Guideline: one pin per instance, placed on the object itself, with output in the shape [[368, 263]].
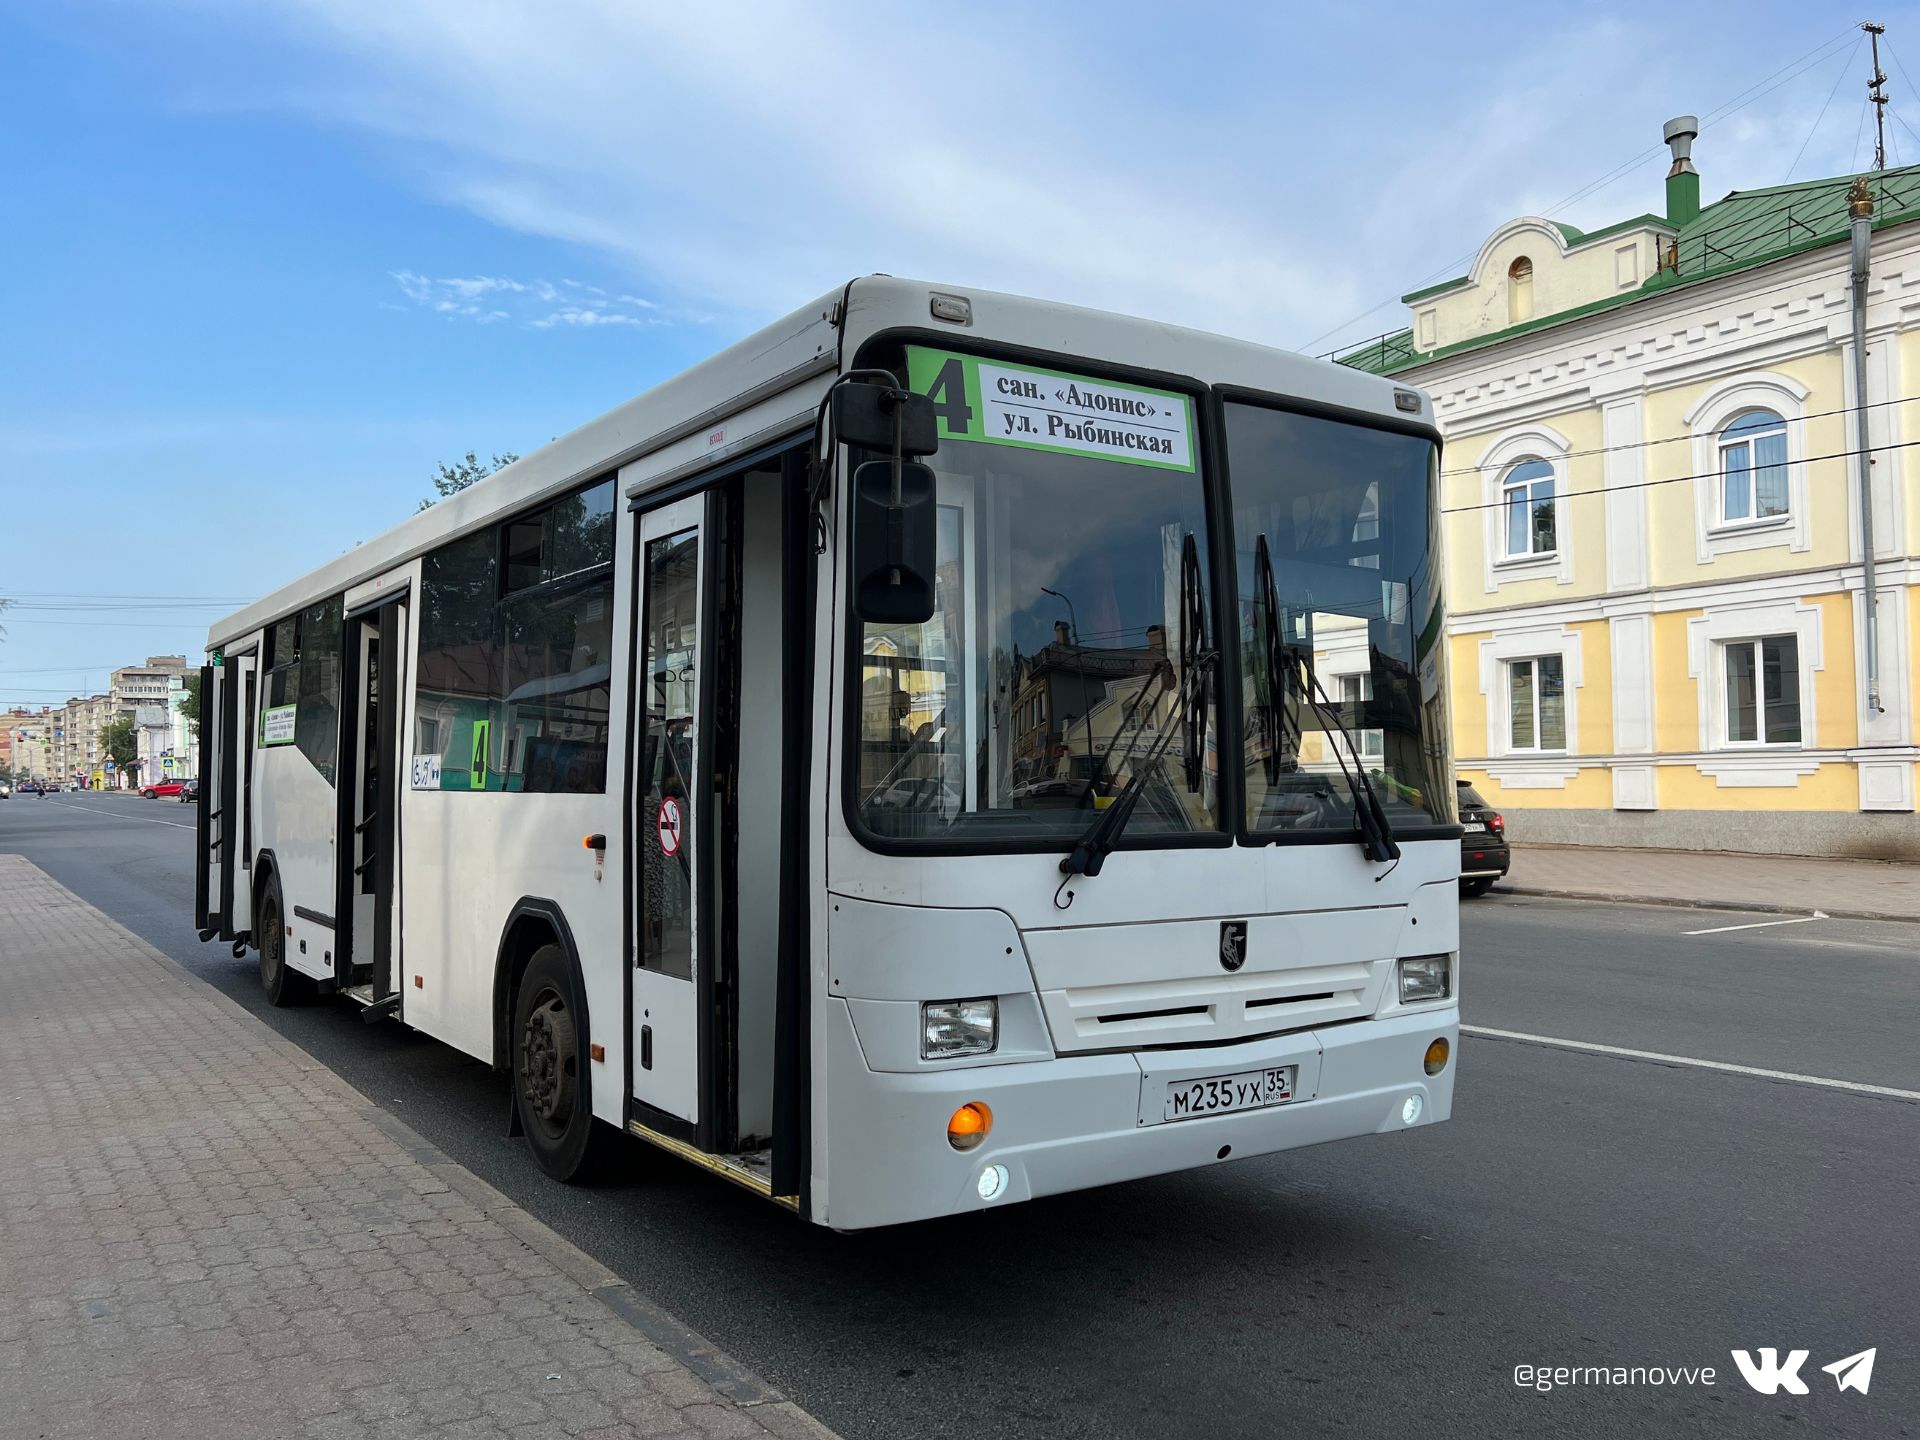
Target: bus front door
[[367, 797], [672, 857]]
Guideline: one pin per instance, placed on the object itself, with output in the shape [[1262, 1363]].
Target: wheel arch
[[266, 872], [531, 923]]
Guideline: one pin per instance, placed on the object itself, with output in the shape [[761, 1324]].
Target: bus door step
[[372, 1009]]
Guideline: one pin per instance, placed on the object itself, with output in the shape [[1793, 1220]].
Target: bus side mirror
[[893, 543], [884, 419]]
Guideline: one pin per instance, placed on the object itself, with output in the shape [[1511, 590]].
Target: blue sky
[[267, 263]]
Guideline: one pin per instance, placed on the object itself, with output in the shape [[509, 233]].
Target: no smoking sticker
[[667, 825]]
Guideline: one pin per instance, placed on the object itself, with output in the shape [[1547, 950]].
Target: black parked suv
[[1484, 853]]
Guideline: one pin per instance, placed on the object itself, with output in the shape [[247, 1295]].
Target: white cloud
[[538, 303], [1268, 173]]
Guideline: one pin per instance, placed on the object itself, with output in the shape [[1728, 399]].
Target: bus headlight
[[950, 1028], [1425, 977]]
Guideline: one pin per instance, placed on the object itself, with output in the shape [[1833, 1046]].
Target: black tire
[[283, 984], [552, 1087], [1476, 888]]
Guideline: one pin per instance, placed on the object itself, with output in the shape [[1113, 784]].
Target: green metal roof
[[1746, 228]]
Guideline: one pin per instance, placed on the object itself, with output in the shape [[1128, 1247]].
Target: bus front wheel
[[284, 985], [551, 1087]]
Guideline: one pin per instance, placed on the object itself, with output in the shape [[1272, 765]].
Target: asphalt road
[[1582, 1209]]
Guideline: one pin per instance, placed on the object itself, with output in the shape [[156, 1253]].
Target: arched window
[[1526, 495], [1753, 467], [1520, 291]]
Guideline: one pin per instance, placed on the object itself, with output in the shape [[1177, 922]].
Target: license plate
[[1220, 1094], [1474, 825]]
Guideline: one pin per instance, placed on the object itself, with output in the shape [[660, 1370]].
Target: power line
[[1682, 479], [1844, 67], [1794, 284], [88, 595], [63, 669], [1676, 439], [174, 625], [1812, 58]]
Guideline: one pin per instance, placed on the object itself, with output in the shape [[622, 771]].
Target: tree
[[454, 478], [121, 742], [190, 707]]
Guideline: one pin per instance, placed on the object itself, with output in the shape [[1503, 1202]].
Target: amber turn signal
[[969, 1125], [1437, 1054]]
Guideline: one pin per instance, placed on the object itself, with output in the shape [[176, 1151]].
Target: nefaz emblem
[[1233, 944]]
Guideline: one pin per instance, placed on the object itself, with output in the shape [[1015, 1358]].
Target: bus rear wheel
[[284, 985], [551, 1087]]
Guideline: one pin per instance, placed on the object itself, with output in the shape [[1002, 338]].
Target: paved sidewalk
[[1869, 889], [205, 1233]]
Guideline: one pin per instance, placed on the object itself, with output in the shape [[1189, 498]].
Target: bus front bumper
[[1082, 1121]]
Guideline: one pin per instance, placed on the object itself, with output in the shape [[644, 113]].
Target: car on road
[[162, 787], [32, 787], [189, 791], [1485, 855]]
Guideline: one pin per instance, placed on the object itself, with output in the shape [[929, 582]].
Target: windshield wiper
[[1090, 851], [1376, 832]]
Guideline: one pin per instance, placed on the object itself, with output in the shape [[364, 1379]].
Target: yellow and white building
[[1655, 575]]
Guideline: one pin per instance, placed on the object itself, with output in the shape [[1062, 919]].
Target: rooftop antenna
[[1876, 92]]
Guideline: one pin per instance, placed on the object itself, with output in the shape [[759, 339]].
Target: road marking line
[[96, 810], [1697, 1064], [1759, 924]]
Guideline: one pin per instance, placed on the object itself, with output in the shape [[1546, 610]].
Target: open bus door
[[368, 798], [207, 859], [222, 898], [718, 805], [673, 951]]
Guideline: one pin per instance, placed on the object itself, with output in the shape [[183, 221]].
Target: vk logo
[[1770, 1377]]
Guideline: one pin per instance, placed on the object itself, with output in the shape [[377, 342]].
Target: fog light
[[1437, 1054], [1410, 1111], [1425, 977], [993, 1180], [969, 1125]]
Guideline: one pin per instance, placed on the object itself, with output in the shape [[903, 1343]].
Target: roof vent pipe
[[1683, 181]]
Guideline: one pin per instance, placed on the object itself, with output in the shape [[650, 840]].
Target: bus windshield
[[1071, 596], [1341, 628]]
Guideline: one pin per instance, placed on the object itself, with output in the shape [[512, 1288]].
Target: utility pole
[[1877, 95], [1860, 223]]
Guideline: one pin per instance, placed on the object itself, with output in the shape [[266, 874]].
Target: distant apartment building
[[80, 753], [150, 695], [1655, 537], [29, 747]]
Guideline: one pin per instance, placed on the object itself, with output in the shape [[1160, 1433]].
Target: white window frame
[[1532, 662], [1723, 674], [1533, 442], [1706, 664], [1723, 445], [1372, 742], [1509, 487], [1709, 416], [1531, 769]]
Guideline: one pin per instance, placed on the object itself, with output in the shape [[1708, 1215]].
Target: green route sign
[[998, 402]]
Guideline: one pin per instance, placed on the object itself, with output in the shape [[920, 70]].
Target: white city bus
[[946, 749]]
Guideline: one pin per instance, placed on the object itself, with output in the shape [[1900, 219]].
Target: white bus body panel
[[294, 818], [1323, 920]]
